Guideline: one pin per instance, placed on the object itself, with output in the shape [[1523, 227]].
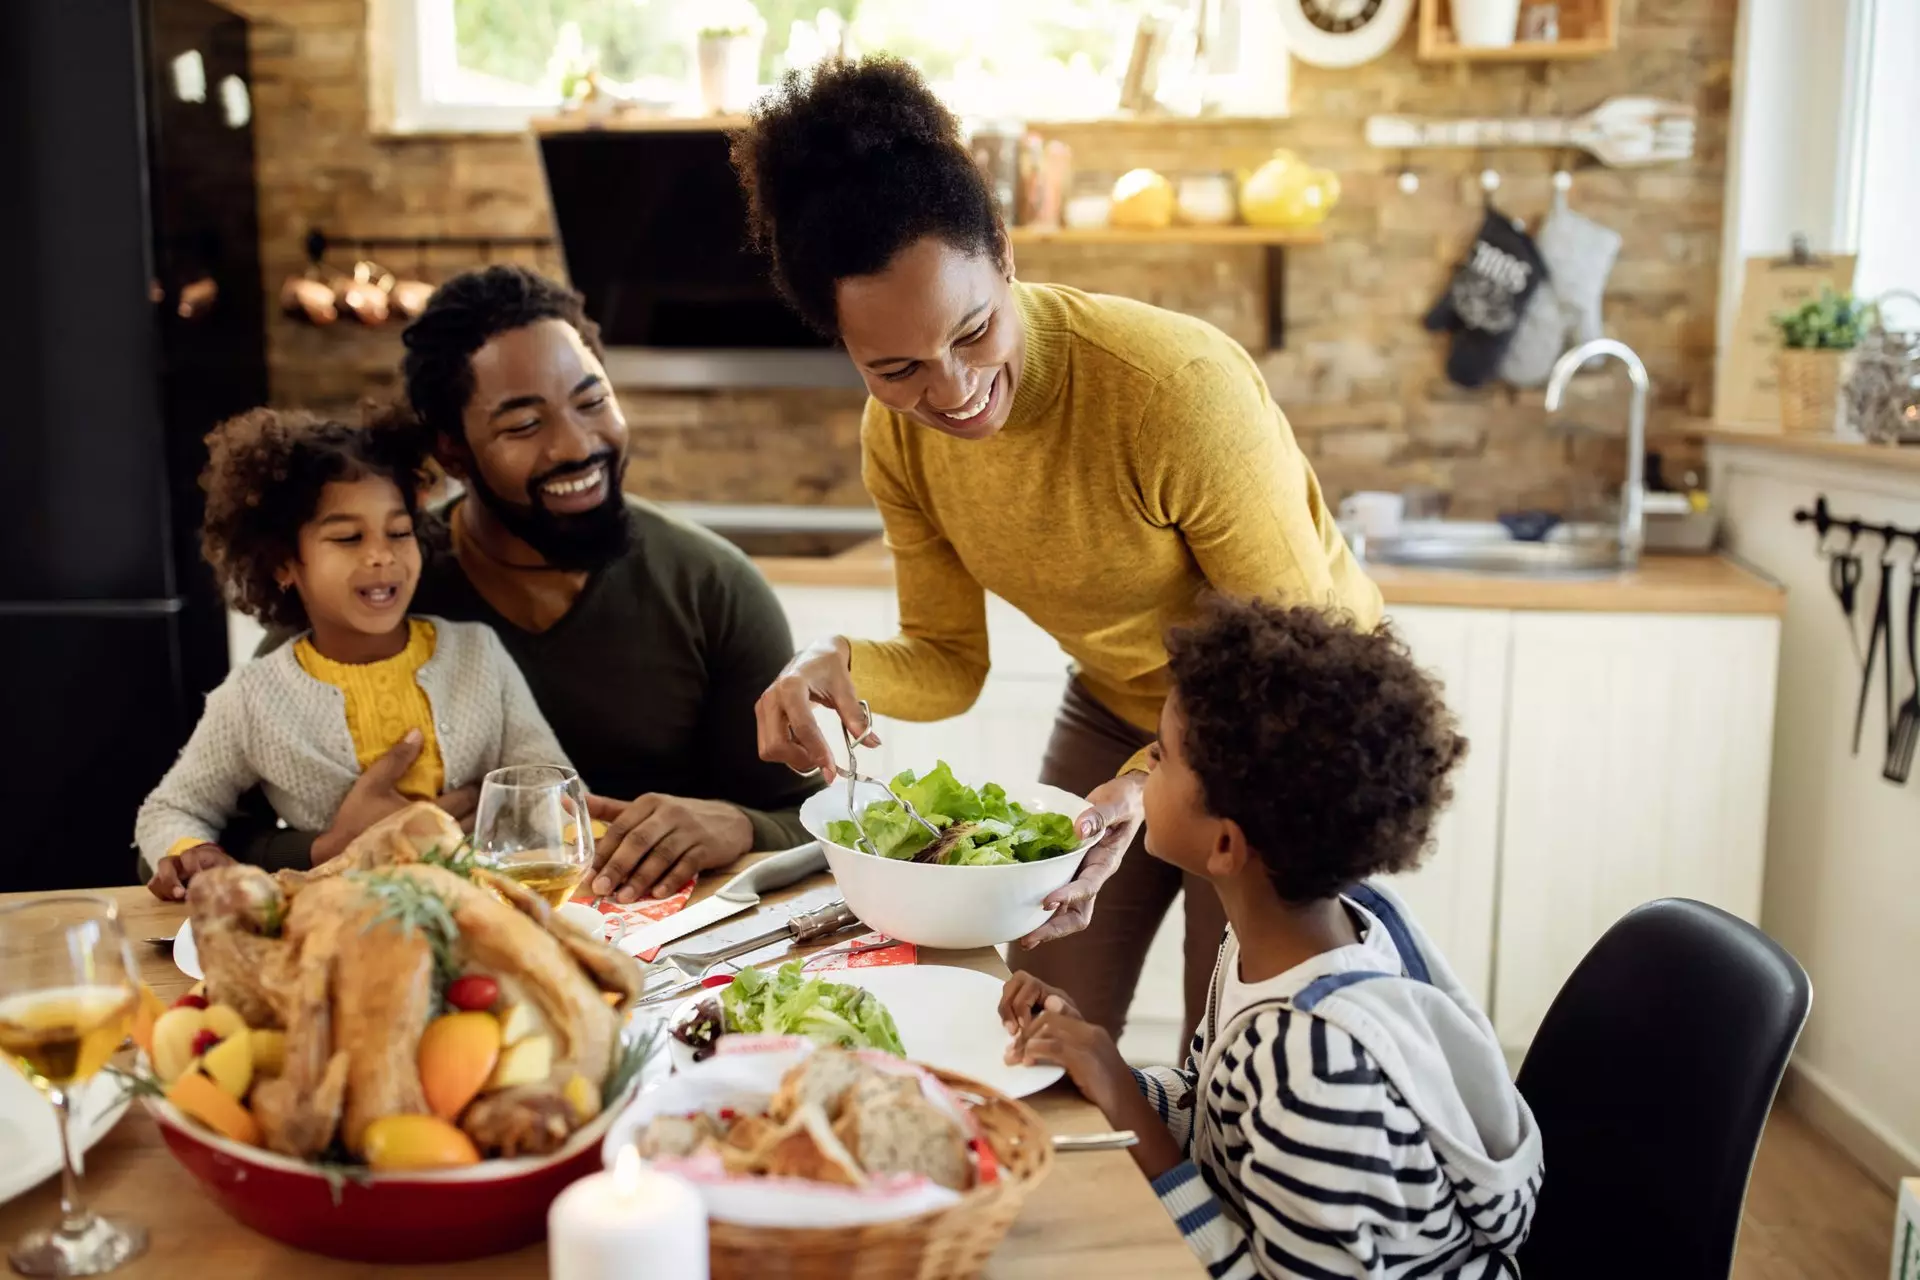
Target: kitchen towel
[[1565, 310], [1484, 301]]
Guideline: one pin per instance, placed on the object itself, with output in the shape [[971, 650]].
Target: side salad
[[978, 828], [789, 1003]]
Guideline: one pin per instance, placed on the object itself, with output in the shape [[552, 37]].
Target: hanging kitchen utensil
[[1621, 133], [1905, 732], [1843, 574], [365, 296], [1880, 638]]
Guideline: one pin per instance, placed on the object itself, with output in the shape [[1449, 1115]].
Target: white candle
[[628, 1223]]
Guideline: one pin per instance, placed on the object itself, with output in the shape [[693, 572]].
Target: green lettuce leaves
[[791, 1004], [998, 831]]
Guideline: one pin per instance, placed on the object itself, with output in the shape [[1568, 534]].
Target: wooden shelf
[[635, 122], [1588, 29], [1228, 235]]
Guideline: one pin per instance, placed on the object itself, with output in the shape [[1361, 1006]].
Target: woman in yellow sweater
[[1096, 462]]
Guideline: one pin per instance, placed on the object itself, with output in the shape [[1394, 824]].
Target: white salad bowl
[[952, 908]]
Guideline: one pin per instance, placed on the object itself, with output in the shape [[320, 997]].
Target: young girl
[[310, 524], [1345, 1109]]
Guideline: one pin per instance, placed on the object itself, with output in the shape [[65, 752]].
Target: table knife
[[742, 893]]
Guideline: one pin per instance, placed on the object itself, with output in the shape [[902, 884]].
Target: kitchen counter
[[1901, 458], [1662, 584]]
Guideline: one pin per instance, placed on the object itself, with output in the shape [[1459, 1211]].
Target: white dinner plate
[[30, 1137], [947, 1018], [186, 956]]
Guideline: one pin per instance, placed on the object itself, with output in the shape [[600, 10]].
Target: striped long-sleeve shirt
[[1338, 1123]]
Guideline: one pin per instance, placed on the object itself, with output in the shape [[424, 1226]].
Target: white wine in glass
[[67, 996], [532, 827]]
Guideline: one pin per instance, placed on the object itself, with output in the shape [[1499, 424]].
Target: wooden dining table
[[1093, 1216]]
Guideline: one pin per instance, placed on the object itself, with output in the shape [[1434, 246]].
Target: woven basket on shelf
[[1809, 390], [949, 1244]]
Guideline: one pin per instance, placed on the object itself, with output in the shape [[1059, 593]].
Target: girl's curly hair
[[1328, 745], [265, 470]]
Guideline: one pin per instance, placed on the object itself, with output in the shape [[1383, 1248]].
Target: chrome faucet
[[1633, 492]]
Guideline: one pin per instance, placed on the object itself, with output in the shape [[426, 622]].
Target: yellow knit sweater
[[1143, 462], [384, 700]]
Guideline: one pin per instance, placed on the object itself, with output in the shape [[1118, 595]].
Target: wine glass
[[532, 827], [67, 996]]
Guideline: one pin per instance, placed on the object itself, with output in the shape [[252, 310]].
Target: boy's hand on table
[[169, 883], [1024, 998], [1058, 1037]]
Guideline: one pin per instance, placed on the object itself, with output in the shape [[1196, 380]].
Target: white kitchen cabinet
[[1453, 892], [1638, 758]]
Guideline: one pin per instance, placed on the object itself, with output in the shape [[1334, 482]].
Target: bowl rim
[[810, 818]]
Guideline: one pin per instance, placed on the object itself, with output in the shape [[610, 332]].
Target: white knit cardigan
[[271, 723]]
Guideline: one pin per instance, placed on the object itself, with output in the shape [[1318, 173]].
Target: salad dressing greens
[[999, 831], [789, 1003]]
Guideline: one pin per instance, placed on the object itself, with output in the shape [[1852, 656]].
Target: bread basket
[[947, 1244]]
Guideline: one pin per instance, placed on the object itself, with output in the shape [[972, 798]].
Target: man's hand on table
[[1116, 808], [169, 883], [657, 843]]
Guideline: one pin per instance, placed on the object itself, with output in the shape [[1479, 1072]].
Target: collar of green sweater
[[1049, 336]]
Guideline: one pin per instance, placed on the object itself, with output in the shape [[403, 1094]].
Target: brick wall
[[1360, 379]]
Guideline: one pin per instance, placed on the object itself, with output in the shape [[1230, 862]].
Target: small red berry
[[205, 1040], [474, 993], [190, 1001]]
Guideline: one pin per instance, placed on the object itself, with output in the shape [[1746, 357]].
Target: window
[[492, 64], [1889, 179]]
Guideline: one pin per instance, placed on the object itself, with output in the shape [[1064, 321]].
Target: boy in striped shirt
[[1345, 1109]]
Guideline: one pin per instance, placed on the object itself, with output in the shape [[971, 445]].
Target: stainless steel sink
[[1563, 559]]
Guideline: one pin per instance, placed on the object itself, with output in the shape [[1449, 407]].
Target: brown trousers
[[1100, 965]]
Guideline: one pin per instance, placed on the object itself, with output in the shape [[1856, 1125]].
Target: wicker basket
[[1809, 390], [950, 1244]]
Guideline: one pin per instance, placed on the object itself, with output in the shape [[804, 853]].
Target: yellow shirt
[[384, 700], [1143, 463]]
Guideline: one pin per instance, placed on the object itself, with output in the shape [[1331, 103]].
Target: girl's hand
[[169, 883], [1024, 998], [1092, 1061], [821, 674], [1116, 806]]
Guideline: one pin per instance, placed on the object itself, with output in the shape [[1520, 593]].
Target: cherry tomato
[[474, 993], [190, 1001], [204, 1040]]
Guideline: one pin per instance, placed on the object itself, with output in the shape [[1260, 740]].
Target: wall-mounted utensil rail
[[1824, 522]]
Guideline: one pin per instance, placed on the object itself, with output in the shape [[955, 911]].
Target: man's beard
[[577, 543]]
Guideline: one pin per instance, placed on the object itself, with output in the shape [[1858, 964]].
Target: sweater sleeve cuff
[[183, 844], [1140, 761], [1186, 1197]]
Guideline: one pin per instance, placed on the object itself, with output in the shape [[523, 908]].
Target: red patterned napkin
[[616, 918], [884, 953]]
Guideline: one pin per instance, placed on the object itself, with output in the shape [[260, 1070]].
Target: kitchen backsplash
[[1360, 379]]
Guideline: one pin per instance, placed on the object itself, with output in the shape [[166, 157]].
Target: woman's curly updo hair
[[1326, 744], [849, 163], [265, 470], [459, 319]]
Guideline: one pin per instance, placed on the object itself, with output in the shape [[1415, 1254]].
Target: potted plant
[[727, 50], [1816, 337]]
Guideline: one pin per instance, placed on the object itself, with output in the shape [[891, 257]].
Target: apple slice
[[269, 1052], [225, 1020], [518, 1022], [528, 1062], [173, 1035], [230, 1063]]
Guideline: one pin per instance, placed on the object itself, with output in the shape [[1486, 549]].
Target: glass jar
[[1089, 200], [1206, 199]]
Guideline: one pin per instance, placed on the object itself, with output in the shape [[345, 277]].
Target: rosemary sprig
[[408, 904], [459, 860], [275, 918], [136, 1084], [630, 1056], [338, 1174]]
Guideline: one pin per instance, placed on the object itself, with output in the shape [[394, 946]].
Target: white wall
[[1843, 849]]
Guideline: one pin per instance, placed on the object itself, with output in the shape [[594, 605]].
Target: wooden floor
[[1812, 1214]]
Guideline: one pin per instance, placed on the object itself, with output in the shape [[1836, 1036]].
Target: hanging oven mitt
[[1482, 304], [1579, 254]]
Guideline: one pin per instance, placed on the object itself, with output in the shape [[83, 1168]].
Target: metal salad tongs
[[855, 779]]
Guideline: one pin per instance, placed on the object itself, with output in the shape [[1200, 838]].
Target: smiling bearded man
[[644, 639]]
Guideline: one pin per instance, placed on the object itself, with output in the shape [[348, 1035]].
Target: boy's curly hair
[[265, 470], [1325, 743], [847, 164]]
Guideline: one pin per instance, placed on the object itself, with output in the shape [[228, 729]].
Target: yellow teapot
[[1287, 192]]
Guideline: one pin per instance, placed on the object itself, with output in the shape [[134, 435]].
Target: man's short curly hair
[[1327, 746], [265, 470], [459, 319], [847, 164]]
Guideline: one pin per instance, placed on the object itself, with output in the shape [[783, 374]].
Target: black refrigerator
[[130, 282]]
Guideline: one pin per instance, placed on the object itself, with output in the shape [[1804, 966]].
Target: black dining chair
[[1651, 1078]]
